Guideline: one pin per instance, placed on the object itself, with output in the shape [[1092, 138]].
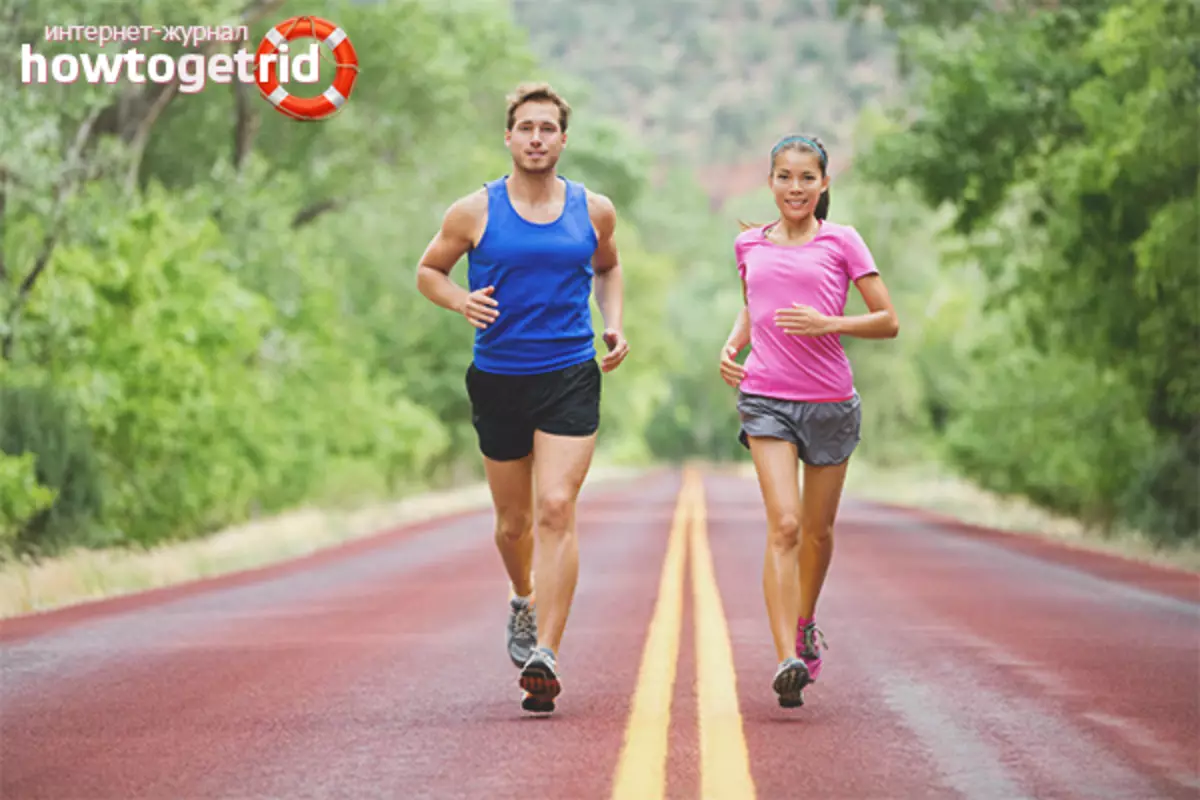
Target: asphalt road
[[961, 663]]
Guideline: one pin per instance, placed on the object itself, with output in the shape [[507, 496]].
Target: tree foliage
[[208, 311], [715, 82], [1063, 137]]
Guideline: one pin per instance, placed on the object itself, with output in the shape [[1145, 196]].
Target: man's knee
[[554, 511], [513, 525]]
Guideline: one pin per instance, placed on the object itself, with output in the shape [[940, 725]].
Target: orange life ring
[[333, 98]]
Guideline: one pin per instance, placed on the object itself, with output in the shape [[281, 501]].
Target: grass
[[929, 487], [932, 488], [81, 575]]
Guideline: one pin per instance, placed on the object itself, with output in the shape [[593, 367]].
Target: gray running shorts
[[824, 433]]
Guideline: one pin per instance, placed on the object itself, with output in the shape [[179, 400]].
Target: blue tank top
[[543, 279]]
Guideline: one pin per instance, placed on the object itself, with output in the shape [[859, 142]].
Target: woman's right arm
[[739, 337]]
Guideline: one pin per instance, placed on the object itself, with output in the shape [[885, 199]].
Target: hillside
[[712, 84]]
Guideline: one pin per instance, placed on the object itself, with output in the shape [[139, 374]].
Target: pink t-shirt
[[817, 274]]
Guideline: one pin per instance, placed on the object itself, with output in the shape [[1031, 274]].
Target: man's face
[[536, 139]]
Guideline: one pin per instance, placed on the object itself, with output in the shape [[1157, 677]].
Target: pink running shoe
[[807, 635]]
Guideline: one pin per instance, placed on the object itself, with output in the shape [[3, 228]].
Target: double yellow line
[[724, 759]]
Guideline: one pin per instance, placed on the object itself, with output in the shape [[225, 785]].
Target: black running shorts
[[507, 409]]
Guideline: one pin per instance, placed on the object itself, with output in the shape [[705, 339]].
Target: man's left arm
[[606, 264]]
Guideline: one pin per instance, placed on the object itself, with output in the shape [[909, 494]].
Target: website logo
[[274, 48], [274, 66]]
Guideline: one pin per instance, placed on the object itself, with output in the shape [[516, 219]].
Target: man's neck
[[541, 187]]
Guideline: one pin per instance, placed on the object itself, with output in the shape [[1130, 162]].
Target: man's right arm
[[452, 241]]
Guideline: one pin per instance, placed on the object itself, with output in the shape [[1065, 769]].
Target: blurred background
[[208, 311]]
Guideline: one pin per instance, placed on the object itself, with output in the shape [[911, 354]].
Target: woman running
[[796, 398]]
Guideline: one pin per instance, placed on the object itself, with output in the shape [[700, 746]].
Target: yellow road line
[[642, 768], [724, 758]]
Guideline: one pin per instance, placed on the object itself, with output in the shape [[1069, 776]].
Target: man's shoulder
[[597, 203], [473, 200], [469, 206], [465, 216], [602, 212]]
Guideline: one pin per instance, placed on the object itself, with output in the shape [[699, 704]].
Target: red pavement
[[961, 665]]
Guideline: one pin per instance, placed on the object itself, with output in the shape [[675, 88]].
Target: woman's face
[[797, 183]]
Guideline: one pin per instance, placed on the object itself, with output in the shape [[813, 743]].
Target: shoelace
[[811, 634], [523, 622]]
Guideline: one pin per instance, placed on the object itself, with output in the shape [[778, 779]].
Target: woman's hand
[[802, 320], [731, 371]]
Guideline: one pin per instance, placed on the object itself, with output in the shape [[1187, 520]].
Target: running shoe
[[536, 704], [539, 679], [808, 649], [789, 683], [522, 629]]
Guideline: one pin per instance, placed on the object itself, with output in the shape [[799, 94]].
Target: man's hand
[[731, 371], [480, 308], [618, 348], [802, 320]]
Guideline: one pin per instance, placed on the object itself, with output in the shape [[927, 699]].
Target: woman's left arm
[[880, 322]]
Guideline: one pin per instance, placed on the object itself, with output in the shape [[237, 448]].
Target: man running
[[535, 240]]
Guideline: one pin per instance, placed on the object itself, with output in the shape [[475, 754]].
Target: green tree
[[1064, 139]]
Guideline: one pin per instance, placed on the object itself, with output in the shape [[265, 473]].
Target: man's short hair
[[528, 92]]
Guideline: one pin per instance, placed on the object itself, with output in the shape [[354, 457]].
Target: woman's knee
[[821, 534], [785, 530]]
